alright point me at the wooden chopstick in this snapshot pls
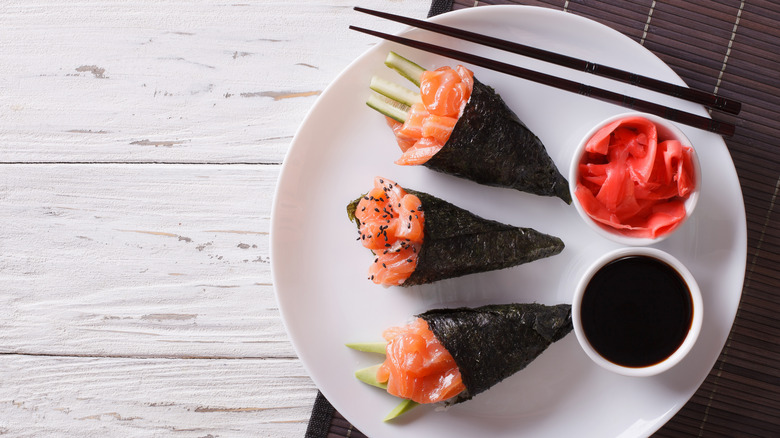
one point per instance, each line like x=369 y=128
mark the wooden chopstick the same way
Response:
x=675 y=115
x=697 y=96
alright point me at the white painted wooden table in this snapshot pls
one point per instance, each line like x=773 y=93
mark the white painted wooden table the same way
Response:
x=140 y=144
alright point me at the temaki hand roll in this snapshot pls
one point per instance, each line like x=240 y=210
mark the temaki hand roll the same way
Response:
x=451 y=355
x=418 y=238
x=460 y=126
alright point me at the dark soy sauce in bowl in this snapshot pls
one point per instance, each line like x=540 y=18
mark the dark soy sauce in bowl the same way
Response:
x=636 y=311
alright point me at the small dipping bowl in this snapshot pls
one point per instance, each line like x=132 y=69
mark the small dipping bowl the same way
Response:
x=666 y=131
x=637 y=311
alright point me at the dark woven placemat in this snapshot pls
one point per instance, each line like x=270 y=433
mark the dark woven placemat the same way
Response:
x=731 y=47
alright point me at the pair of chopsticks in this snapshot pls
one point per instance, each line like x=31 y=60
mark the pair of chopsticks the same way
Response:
x=712 y=101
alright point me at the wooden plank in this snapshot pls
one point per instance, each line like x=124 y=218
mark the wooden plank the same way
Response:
x=138 y=261
x=102 y=397
x=161 y=81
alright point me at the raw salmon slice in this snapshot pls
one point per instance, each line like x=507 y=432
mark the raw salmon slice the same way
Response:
x=417 y=366
x=444 y=93
x=420 y=152
x=392 y=225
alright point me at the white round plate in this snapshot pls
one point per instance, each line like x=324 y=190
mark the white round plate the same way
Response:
x=319 y=268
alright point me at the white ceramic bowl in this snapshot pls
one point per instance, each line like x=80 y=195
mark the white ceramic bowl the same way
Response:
x=688 y=341
x=666 y=130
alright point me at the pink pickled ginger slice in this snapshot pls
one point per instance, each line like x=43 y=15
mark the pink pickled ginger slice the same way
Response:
x=630 y=182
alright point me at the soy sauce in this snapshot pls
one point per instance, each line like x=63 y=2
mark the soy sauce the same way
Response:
x=636 y=311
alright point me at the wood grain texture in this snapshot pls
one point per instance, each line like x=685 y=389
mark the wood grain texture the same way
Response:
x=139 y=261
x=161 y=81
x=140 y=145
x=66 y=396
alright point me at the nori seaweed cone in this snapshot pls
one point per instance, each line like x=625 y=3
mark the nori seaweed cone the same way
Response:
x=457 y=242
x=510 y=155
x=491 y=343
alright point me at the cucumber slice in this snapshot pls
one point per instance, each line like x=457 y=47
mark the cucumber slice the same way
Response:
x=395 y=110
x=402 y=408
x=404 y=67
x=369 y=347
x=368 y=376
x=394 y=91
